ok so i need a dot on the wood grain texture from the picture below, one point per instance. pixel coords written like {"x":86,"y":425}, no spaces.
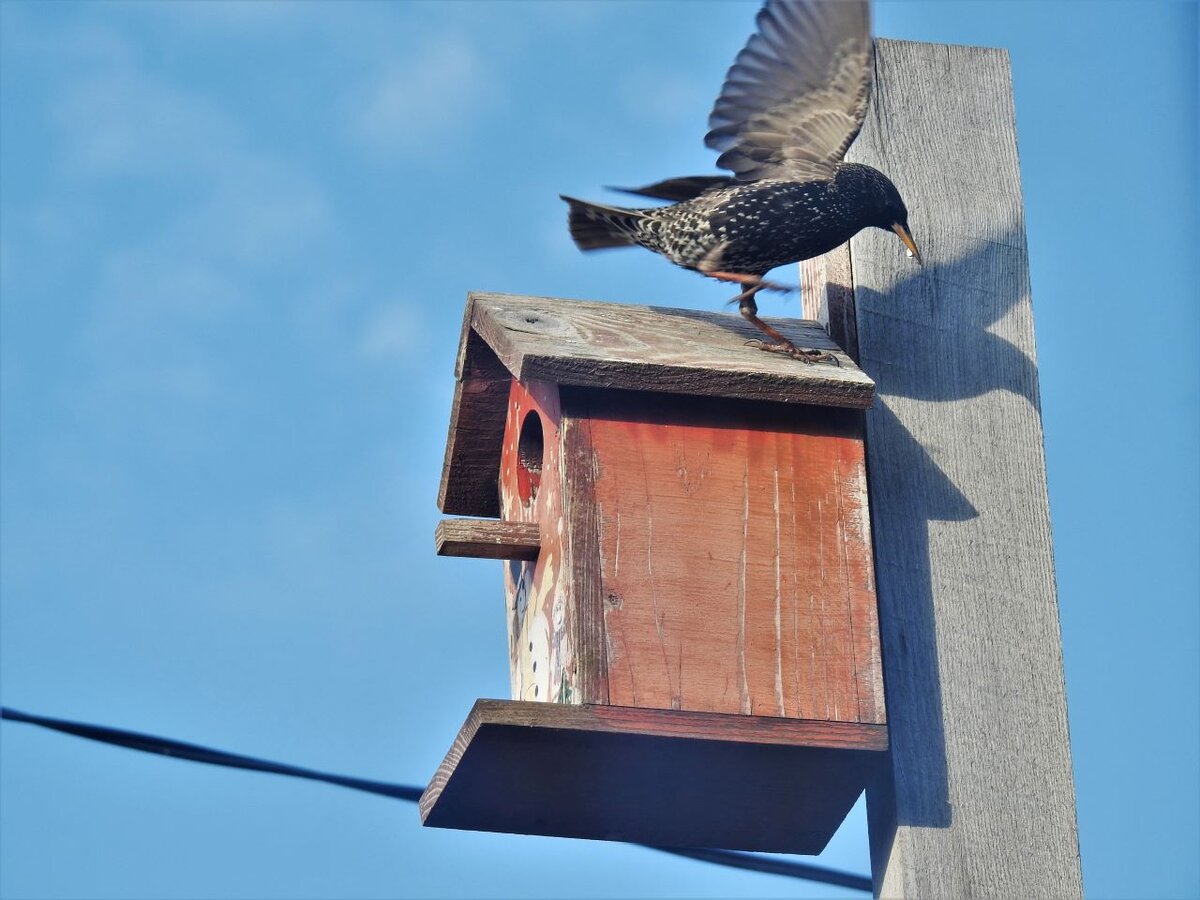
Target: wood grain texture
{"x":734,"y":556}
{"x":589,"y":344}
{"x":583,"y":537}
{"x":584,"y":343}
{"x":654,"y":776}
{"x":541,"y":614}
{"x":827,"y":296}
{"x":472,"y":463}
{"x":487,"y":539}
{"x":981,"y":800}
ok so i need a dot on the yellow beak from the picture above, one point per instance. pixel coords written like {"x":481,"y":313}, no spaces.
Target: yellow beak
{"x":908,"y":241}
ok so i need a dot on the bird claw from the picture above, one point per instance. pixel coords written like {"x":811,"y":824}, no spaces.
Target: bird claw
{"x":806,"y":355}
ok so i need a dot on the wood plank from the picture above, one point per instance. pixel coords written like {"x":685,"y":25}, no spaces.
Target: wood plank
{"x":827,"y":296}
{"x":471,"y":465}
{"x":487,"y":539}
{"x":981,"y":801}
{"x":541,"y":615}
{"x":653,"y":776}
{"x":735,"y":570}
{"x":590,"y":344}
{"x":583,"y":536}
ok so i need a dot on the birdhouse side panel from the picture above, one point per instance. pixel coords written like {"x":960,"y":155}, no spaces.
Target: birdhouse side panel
{"x":735,"y":558}
{"x":537,"y":592}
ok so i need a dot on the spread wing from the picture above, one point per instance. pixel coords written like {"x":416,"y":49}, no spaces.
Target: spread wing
{"x":797,"y":93}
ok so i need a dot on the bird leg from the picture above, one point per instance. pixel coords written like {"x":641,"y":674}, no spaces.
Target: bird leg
{"x":750,"y":281}
{"x":749,"y":309}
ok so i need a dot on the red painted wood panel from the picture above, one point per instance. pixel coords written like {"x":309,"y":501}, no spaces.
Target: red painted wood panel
{"x":735,"y":557}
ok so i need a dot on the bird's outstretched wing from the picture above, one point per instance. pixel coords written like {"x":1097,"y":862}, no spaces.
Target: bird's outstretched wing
{"x":797,"y":93}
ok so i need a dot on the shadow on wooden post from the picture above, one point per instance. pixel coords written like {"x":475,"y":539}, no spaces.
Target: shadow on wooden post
{"x":979,"y":800}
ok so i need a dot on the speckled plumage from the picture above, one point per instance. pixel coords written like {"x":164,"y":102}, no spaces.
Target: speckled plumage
{"x":791,"y":105}
{"x":752,"y":228}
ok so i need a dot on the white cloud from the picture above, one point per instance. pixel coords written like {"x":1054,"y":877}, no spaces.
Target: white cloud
{"x":260,"y":212}
{"x":432,"y":97}
{"x":118,"y":120}
{"x":215,"y":215}
{"x":237,"y":15}
{"x":394,"y":332}
{"x":666,"y":99}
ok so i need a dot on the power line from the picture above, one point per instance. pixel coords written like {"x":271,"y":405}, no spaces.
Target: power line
{"x":148,"y":743}
{"x":771,"y":866}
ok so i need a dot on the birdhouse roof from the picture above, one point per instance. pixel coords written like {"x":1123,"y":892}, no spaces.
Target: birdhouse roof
{"x":584,"y":343}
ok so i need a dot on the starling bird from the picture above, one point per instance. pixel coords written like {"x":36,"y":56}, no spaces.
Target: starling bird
{"x":791,"y":105}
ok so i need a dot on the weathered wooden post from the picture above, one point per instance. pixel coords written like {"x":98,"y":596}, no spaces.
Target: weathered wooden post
{"x":978,"y":798}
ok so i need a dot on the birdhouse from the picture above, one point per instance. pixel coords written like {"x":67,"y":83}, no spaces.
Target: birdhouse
{"x":688,"y":585}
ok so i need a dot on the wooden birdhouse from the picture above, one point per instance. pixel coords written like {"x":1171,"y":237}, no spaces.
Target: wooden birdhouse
{"x":692,"y":632}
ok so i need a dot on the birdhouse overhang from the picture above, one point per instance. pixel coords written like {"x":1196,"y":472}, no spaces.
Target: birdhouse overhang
{"x":588,"y":344}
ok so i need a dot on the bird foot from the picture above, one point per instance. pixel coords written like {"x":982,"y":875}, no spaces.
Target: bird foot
{"x":752,"y":284}
{"x":750,"y":291}
{"x":807,"y":355}
{"x":776,"y":287}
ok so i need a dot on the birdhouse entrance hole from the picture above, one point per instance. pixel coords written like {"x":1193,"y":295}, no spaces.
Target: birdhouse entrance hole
{"x":530,"y":450}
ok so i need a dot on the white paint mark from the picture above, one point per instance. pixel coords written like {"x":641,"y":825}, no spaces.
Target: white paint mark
{"x":795,"y":602}
{"x":778,"y":603}
{"x":745,"y":685}
{"x":617,"y":554}
{"x":649,"y":536}
{"x":848,"y":575}
{"x":814,"y":622}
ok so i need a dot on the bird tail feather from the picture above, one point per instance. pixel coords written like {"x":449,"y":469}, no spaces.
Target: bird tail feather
{"x":595,"y":226}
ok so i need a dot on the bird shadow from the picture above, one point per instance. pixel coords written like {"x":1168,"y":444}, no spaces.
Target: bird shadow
{"x":938,"y":333}
{"x":949,"y":318}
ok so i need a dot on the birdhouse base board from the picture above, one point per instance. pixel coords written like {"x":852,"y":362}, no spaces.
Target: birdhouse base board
{"x":654,"y":776}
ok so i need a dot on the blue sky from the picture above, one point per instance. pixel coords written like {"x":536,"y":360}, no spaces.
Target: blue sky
{"x":235,"y":243}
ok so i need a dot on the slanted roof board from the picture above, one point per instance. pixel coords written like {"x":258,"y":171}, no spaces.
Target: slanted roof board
{"x":589,"y":344}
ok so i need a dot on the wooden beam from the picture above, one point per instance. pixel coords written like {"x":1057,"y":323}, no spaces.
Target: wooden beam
{"x":979,"y":799}
{"x":660,"y":776}
{"x":487,"y":539}
{"x":583,"y":343}
{"x":471,"y":468}
{"x":827,"y":296}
